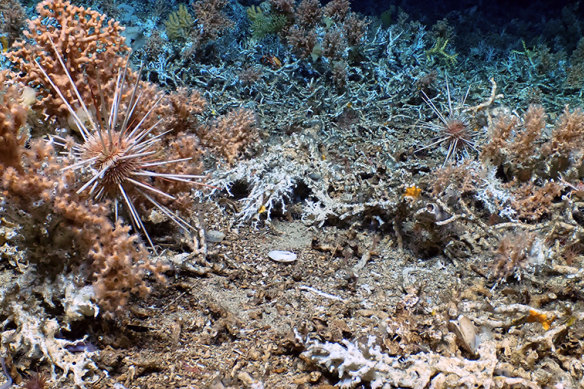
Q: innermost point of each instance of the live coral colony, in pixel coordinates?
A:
(291, 194)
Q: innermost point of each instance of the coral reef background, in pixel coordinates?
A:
(423, 162)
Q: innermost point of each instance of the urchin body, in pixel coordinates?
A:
(111, 158)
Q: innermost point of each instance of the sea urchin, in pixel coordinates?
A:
(119, 153)
(453, 129)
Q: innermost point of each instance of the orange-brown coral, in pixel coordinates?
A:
(355, 28)
(337, 9)
(303, 41)
(523, 146)
(182, 107)
(532, 202)
(81, 59)
(12, 119)
(575, 76)
(567, 136)
(76, 56)
(230, 134)
(92, 47)
(513, 254)
(308, 14)
(119, 266)
(62, 232)
(284, 7)
(307, 21)
(517, 145)
(210, 19)
(32, 179)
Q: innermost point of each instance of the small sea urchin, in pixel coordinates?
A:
(36, 381)
(118, 152)
(453, 128)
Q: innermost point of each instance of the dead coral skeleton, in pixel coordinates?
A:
(118, 152)
(357, 363)
(364, 361)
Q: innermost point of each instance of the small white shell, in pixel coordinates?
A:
(282, 256)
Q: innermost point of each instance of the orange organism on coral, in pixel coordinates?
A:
(412, 192)
(541, 318)
(272, 61)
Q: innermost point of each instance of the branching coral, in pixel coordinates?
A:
(519, 148)
(64, 242)
(12, 120)
(566, 139)
(207, 24)
(12, 18)
(47, 203)
(524, 169)
(311, 29)
(230, 134)
(179, 24)
(337, 9)
(92, 47)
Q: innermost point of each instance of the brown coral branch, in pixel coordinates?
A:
(12, 119)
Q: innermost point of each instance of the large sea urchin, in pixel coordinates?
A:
(119, 153)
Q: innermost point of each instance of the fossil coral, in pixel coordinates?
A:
(364, 362)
